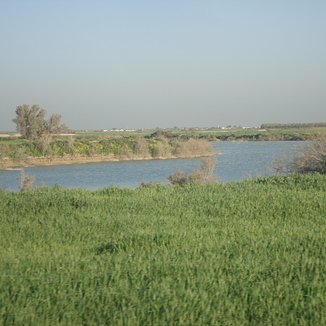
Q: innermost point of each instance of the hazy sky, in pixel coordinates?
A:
(147, 64)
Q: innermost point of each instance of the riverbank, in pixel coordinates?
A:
(8, 164)
(23, 153)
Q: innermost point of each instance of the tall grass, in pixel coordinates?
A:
(246, 253)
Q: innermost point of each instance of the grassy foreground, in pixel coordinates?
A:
(245, 253)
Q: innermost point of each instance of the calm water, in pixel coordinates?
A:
(239, 160)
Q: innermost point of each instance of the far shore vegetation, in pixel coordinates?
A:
(70, 149)
(97, 146)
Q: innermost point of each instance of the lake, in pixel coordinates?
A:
(238, 161)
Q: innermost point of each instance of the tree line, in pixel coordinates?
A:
(292, 125)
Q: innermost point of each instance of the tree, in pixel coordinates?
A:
(32, 125)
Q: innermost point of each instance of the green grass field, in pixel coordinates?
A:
(245, 253)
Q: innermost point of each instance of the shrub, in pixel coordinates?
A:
(140, 147)
(205, 174)
(311, 159)
(178, 178)
(26, 182)
(194, 147)
(161, 150)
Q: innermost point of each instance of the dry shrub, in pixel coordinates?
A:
(125, 153)
(4, 151)
(70, 144)
(178, 178)
(141, 147)
(26, 182)
(196, 177)
(20, 155)
(44, 142)
(93, 150)
(161, 150)
(206, 170)
(280, 164)
(311, 159)
(194, 147)
(205, 174)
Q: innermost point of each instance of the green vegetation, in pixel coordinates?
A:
(246, 253)
(106, 143)
(213, 134)
(24, 152)
(255, 134)
(38, 144)
(293, 125)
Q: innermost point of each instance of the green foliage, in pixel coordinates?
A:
(245, 253)
(116, 145)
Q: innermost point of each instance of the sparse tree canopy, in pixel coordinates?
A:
(32, 125)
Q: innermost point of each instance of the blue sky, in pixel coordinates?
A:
(147, 64)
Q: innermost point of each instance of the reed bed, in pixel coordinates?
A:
(240, 253)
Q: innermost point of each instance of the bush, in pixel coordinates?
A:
(312, 158)
(178, 178)
(194, 147)
(205, 174)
